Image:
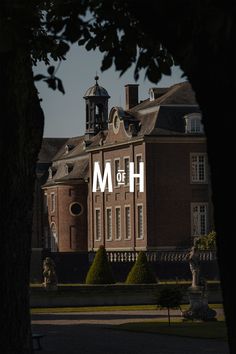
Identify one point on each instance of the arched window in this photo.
(53, 238)
(193, 123)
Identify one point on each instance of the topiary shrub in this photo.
(100, 271)
(141, 272)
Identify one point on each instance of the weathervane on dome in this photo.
(96, 78)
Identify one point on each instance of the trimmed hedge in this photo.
(100, 271)
(141, 272)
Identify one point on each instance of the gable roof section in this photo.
(167, 111)
(178, 94)
(49, 149)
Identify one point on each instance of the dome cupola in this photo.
(96, 100)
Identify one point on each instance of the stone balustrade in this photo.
(158, 256)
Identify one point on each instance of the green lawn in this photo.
(106, 308)
(92, 309)
(210, 330)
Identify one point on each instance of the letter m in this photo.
(97, 177)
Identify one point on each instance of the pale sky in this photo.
(65, 114)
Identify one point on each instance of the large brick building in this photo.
(165, 133)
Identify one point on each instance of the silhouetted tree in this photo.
(170, 298)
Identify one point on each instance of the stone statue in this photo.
(49, 274)
(197, 292)
(194, 262)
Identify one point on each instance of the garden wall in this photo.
(105, 295)
(73, 267)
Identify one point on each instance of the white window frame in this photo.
(197, 180)
(136, 167)
(96, 238)
(108, 238)
(115, 172)
(198, 232)
(52, 202)
(106, 161)
(117, 237)
(53, 238)
(190, 119)
(138, 226)
(127, 174)
(98, 185)
(195, 125)
(125, 223)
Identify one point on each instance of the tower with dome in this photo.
(96, 99)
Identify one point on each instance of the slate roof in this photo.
(49, 148)
(79, 172)
(76, 148)
(167, 111)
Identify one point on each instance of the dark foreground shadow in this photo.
(94, 339)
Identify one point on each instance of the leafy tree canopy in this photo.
(124, 31)
(48, 28)
(169, 297)
(207, 242)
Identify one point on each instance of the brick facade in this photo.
(175, 205)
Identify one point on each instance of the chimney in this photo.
(131, 95)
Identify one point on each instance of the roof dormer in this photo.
(51, 172)
(68, 168)
(68, 148)
(193, 123)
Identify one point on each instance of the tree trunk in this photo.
(200, 36)
(215, 97)
(20, 142)
(168, 309)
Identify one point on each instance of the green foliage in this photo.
(207, 242)
(100, 271)
(141, 272)
(169, 297)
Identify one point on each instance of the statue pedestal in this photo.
(199, 308)
(48, 286)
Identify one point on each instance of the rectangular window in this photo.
(195, 125)
(118, 223)
(97, 224)
(46, 241)
(140, 222)
(116, 169)
(198, 168)
(127, 223)
(199, 219)
(45, 203)
(126, 168)
(108, 224)
(53, 202)
(106, 162)
(98, 185)
(138, 160)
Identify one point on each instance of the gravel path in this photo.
(92, 333)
